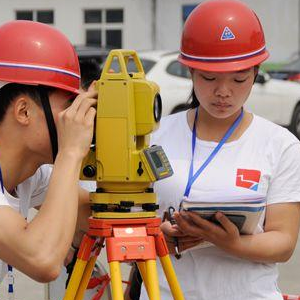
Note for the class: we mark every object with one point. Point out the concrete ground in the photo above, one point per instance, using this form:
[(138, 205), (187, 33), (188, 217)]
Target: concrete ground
[(27, 289)]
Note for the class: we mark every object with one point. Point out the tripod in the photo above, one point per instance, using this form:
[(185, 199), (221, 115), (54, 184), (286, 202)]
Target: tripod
[(129, 236)]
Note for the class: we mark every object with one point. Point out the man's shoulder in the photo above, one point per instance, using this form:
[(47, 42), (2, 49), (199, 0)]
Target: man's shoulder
[(3, 200)]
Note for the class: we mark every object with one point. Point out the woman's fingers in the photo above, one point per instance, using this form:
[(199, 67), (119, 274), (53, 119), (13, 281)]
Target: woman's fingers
[(183, 243), (171, 230), (187, 227), (226, 223)]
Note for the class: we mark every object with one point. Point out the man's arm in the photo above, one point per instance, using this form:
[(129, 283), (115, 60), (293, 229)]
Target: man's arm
[(84, 212), (39, 248)]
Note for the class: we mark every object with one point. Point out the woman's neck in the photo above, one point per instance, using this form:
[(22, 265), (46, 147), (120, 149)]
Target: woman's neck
[(209, 128)]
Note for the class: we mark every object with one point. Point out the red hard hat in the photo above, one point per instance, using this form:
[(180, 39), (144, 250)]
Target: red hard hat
[(37, 54), (222, 36)]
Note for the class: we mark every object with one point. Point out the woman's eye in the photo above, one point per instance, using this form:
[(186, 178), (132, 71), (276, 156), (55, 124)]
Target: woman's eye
[(240, 80), (208, 78)]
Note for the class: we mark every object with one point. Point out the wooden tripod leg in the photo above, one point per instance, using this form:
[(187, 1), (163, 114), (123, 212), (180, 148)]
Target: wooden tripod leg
[(142, 269), (116, 281), (83, 257), (171, 277), (152, 280), (86, 277), (163, 253)]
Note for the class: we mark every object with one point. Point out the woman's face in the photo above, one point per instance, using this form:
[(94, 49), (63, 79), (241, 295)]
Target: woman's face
[(222, 94)]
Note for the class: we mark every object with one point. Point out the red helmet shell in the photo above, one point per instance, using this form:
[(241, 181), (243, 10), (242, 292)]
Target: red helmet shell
[(222, 36), (37, 54)]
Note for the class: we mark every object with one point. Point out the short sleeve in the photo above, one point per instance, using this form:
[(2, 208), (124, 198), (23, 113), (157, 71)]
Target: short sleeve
[(3, 200), (285, 183), (89, 186), (41, 185)]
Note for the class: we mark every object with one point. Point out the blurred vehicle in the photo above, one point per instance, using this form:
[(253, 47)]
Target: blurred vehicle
[(290, 71), (275, 100)]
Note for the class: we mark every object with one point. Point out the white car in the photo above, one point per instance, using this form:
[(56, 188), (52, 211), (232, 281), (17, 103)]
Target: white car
[(276, 100)]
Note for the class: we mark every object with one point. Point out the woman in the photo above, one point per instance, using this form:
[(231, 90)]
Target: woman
[(223, 45)]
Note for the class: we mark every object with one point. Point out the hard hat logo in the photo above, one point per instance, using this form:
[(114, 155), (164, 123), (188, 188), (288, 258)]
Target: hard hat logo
[(227, 34)]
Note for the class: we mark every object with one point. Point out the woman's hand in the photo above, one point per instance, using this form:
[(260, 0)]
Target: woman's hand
[(225, 236), (184, 241)]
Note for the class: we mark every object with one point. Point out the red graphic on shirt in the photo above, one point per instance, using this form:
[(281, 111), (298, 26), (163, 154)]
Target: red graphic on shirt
[(248, 179)]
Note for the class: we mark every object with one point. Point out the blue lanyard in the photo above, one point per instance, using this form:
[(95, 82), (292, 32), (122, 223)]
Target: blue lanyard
[(192, 178), (10, 282), (9, 267)]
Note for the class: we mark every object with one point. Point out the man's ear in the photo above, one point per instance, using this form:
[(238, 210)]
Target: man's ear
[(22, 106)]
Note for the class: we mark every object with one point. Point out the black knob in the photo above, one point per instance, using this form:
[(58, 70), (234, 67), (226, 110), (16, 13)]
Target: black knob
[(99, 207), (150, 206), (89, 171), (127, 203), (140, 170)]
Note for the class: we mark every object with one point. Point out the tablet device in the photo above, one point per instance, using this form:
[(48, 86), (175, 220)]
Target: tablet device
[(237, 220)]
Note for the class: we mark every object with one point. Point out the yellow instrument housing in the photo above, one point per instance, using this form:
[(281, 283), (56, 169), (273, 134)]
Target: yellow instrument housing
[(125, 118)]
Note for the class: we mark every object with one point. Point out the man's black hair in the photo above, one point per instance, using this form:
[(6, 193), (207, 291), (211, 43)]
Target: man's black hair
[(90, 70)]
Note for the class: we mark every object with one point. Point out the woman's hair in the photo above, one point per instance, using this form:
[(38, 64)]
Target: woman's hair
[(193, 102), (12, 90)]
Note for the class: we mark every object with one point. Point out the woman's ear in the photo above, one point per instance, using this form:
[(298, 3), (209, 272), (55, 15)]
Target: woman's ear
[(22, 109)]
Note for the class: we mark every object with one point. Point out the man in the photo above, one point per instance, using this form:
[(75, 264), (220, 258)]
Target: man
[(43, 120)]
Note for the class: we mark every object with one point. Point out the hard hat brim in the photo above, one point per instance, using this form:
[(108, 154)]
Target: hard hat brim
[(40, 77), (224, 66)]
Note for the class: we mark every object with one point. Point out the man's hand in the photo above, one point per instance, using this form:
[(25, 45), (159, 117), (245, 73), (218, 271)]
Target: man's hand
[(75, 124)]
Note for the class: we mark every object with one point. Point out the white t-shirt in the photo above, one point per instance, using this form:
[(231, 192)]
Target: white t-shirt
[(29, 193), (265, 149)]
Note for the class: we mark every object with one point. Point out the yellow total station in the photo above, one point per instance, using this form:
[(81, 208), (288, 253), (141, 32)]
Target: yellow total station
[(121, 161)]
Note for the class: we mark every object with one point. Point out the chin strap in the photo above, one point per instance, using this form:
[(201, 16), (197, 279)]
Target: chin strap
[(50, 121)]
